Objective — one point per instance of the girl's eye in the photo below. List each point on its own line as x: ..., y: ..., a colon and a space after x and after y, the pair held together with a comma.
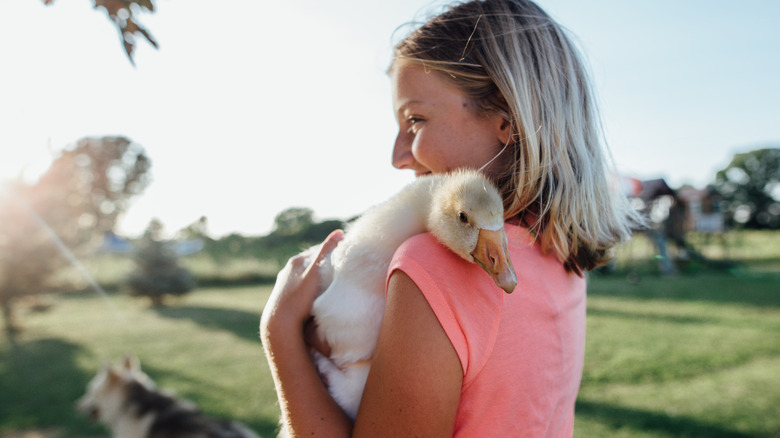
x: 413, y: 122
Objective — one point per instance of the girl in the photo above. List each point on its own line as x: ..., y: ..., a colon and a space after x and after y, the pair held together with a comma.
x: 497, y: 85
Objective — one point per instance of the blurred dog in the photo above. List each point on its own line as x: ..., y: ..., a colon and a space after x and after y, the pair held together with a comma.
x: 126, y: 400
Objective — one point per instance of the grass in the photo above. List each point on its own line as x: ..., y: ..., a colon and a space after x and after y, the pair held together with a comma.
x: 111, y: 270
x: 204, y: 346
x: 750, y: 251
x: 694, y: 355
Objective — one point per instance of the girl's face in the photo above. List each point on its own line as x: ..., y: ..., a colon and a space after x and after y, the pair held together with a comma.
x: 439, y: 127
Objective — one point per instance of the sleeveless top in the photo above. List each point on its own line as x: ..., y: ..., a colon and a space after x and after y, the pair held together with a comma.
x: 521, y: 353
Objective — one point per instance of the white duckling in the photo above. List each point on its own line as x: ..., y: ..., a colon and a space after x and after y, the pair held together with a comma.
x: 463, y: 210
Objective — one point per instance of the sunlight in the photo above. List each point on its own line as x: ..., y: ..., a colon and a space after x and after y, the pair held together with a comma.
x: 25, y: 159
x: 68, y: 254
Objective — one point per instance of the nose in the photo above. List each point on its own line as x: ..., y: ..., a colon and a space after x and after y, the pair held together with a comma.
x: 402, y: 152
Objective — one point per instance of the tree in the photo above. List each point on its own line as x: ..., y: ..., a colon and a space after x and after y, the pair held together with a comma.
x: 158, y: 273
x: 750, y: 186
x: 123, y: 14
x: 196, y: 230
x: 78, y: 199
x: 293, y: 221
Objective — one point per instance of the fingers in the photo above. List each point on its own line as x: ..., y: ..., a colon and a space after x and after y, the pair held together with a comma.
x: 328, y: 245
x: 298, y: 284
x: 331, y: 241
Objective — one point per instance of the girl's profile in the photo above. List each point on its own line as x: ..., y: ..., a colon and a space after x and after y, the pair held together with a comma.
x: 496, y: 86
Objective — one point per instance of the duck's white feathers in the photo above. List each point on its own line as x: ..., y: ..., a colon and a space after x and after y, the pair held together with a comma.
x: 349, y: 310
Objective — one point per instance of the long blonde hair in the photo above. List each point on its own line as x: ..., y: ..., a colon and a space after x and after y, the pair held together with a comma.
x: 511, y: 58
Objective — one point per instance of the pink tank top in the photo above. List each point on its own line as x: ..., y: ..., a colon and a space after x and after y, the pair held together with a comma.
x: 521, y: 354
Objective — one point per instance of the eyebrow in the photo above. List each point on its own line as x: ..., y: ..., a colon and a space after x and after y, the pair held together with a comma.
x: 407, y: 104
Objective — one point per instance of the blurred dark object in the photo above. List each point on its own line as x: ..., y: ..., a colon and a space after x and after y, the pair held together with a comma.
x: 750, y: 187
x: 672, y: 214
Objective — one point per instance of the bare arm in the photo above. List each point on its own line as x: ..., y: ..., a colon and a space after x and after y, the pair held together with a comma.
x: 414, y: 384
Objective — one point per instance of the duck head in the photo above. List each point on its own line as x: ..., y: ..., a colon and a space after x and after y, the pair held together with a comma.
x: 467, y: 216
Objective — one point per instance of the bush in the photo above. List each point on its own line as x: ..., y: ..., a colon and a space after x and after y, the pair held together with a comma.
x: 157, y: 270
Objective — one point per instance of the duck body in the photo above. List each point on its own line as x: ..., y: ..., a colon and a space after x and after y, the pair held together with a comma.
x: 457, y: 208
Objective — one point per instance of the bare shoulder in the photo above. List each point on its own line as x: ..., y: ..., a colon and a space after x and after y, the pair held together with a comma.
x: 414, y: 385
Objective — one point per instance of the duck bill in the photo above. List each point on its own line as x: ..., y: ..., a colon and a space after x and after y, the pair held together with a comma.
x: 492, y: 255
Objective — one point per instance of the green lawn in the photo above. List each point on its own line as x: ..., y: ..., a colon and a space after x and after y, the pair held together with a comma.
x: 695, y: 355
x: 203, y: 346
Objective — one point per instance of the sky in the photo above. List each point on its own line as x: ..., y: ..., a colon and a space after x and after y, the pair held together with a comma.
x: 250, y: 107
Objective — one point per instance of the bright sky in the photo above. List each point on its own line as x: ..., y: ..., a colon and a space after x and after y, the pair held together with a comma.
x: 251, y: 107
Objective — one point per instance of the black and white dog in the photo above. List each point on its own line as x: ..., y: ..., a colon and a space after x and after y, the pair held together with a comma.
x: 126, y: 400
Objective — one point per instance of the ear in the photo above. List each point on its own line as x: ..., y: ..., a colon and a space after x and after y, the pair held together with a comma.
x: 104, y: 370
x: 502, y: 126
x: 131, y: 363
x: 113, y: 376
x: 504, y: 131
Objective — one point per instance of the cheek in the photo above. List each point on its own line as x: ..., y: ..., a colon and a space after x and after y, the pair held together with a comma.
x: 464, y: 142
x: 432, y: 151
x: 479, y: 145
x: 471, y: 139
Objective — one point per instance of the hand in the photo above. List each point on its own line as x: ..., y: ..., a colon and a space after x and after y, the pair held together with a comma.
x: 307, y: 407
x: 296, y: 288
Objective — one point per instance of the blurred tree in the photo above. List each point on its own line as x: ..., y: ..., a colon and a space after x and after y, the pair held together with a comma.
x: 78, y: 199
x: 158, y: 273
x: 750, y: 186
x: 317, y: 232
x: 123, y: 13
x: 293, y: 221
x: 294, y: 230
x: 196, y: 230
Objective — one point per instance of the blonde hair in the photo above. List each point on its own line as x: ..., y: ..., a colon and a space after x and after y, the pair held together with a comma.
x: 511, y: 58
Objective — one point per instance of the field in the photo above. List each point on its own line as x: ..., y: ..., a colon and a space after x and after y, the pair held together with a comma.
x: 694, y: 355
x: 203, y: 346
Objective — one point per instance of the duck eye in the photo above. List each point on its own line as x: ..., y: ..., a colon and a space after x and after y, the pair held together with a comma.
x: 463, y: 217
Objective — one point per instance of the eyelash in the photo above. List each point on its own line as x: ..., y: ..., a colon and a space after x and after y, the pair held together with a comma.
x: 412, y: 122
